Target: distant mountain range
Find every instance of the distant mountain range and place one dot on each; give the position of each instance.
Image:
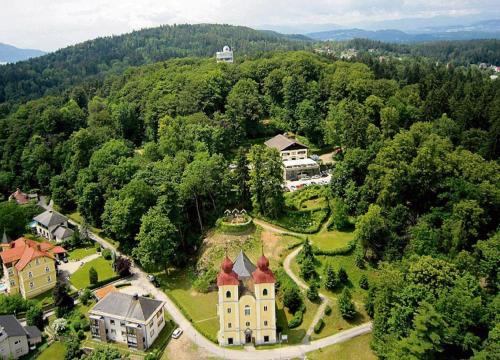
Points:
(10, 54)
(489, 29)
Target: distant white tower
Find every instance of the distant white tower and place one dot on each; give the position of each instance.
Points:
(226, 55)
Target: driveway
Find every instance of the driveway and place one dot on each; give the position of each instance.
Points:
(67, 269)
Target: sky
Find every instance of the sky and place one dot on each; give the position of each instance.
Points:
(52, 24)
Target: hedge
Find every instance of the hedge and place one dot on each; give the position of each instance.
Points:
(319, 326)
(104, 282)
(346, 250)
(296, 320)
(234, 228)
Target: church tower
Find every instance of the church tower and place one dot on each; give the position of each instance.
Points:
(247, 303)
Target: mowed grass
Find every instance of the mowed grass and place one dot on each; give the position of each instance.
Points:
(200, 308)
(81, 253)
(295, 335)
(80, 279)
(329, 240)
(357, 348)
(55, 351)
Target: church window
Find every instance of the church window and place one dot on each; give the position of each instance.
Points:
(228, 294)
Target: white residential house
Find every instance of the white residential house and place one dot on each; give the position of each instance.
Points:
(129, 319)
(15, 340)
(295, 157)
(226, 55)
(52, 226)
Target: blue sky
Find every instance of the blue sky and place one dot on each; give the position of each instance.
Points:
(51, 24)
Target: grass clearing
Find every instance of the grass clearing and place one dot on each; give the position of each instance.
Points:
(55, 351)
(329, 240)
(357, 348)
(81, 253)
(80, 279)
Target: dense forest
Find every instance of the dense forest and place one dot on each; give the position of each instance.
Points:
(463, 52)
(145, 155)
(76, 64)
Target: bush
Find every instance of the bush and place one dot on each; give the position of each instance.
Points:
(97, 247)
(292, 299)
(319, 326)
(34, 316)
(296, 320)
(204, 282)
(85, 296)
(346, 250)
(81, 335)
(106, 253)
(363, 282)
(328, 310)
(93, 276)
(122, 266)
(76, 325)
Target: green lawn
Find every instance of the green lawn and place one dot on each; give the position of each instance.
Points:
(296, 335)
(329, 240)
(44, 298)
(79, 254)
(198, 307)
(357, 348)
(54, 351)
(80, 279)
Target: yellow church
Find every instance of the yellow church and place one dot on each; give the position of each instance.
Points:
(246, 308)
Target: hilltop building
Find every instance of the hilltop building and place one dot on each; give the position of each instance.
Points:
(226, 55)
(246, 305)
(129, 319)
(30, 266)
(294, 155)
(52, 226)
(15, 340)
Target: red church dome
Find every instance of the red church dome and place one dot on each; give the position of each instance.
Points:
(263, 263)
(227, 265)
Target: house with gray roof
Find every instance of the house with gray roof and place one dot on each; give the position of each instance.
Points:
(130, 319)
(52, 225)
(296, 163)
(15, 340)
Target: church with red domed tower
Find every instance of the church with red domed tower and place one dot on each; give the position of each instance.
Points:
(247, 303)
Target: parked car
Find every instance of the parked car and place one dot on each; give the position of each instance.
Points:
(151, 277)
(177, 333)
(306, 178)
(316, 177)
(324, 174)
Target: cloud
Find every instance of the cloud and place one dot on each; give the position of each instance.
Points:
(51, 24)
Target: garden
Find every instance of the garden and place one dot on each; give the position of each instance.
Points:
(80, 279)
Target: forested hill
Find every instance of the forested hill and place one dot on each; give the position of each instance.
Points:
(9, 53)
(72, 65)
(457, 52)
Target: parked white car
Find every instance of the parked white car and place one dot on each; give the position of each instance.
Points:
(177, 333)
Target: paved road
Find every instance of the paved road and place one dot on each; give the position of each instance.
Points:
(287, 352)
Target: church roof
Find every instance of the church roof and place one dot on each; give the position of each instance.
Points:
(243, 266)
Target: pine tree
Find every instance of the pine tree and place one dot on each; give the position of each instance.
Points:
(312, 292)
(307, 270)
(346, 306)
(342, 275)
(363, 282)
(332, 281)
(93, 276)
